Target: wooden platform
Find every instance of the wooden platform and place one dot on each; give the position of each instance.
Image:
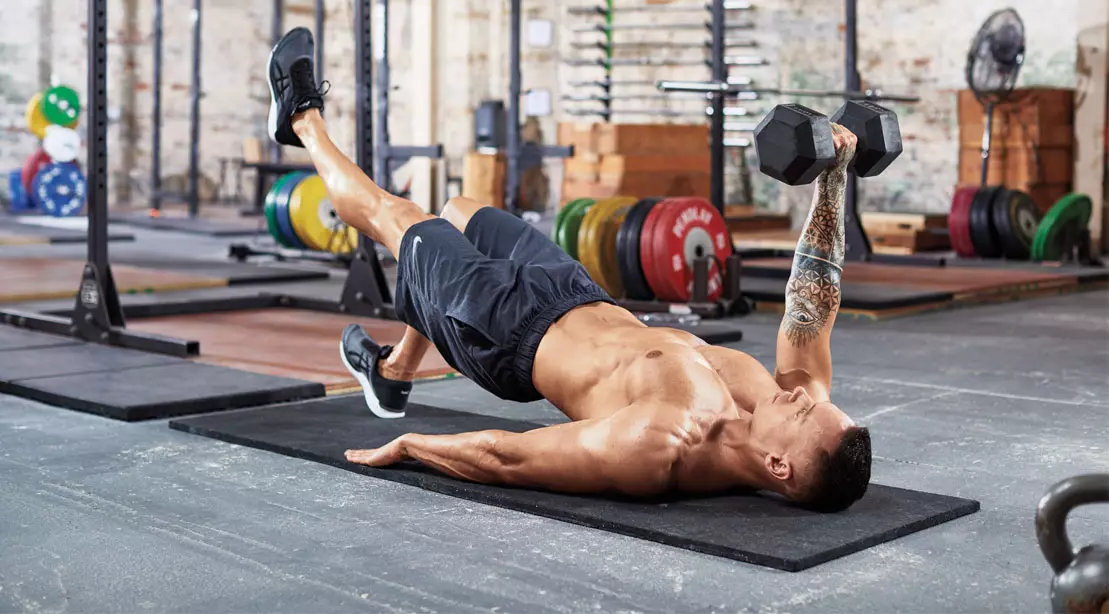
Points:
(961, 285)
(286, 342)
(35, 279)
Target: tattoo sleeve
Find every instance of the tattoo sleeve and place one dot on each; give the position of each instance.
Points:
(812, 294)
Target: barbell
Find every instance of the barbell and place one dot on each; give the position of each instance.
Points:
(732, 89)
(657, 8)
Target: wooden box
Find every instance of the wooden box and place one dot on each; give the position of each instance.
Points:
(1033, 117)
(649, 139)
(1018, 167)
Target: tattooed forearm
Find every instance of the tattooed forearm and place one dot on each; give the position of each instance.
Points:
(812, 295)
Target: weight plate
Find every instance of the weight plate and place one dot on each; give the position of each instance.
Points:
(281, 210)
(571, 226)
(627, 251)
(315, 220)
(270, 209)
(597, 241)
(1072, 211)
(958, 221)
(31, 167)
(1015, 216)
(19, 196)
(59, 189)
(646, 254)
(36, 121)
(560, 219)
(687, 229)
(61, 144)
(61, 105)
(982, 232)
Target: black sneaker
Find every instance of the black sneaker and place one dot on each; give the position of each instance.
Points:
(293, 86)
(386, 398)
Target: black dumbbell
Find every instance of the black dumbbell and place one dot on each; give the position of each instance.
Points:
(794, 143)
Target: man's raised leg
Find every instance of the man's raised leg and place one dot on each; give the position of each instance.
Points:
(295, 120)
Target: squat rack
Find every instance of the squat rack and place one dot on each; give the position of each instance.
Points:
(858, 246)
(98, 315)
(192, 195)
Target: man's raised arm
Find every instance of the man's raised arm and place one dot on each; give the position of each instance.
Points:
(614, 454)
(812, 294)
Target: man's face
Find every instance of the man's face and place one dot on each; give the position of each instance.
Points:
(791, 427)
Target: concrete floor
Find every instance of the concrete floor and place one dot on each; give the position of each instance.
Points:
(991, 403)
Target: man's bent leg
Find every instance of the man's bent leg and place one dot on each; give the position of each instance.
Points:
(358, 201)
(373, 211)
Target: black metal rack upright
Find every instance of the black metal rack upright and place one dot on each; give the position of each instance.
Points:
(98, 315)
(519, 154)
(387, 157)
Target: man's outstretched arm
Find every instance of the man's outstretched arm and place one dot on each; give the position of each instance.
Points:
(590, 456)
(813, 291)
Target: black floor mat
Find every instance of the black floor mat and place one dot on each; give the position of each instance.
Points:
(199, 226)
(852, 296)
(751, 528)
(56, 236)
(131, 385)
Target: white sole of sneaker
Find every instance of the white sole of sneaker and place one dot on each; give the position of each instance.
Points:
(271, 121)
(368, 390)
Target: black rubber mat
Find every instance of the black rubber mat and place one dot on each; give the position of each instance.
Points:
(131, 385)
(236, 273)
(853, 296)
(199, 226)
(752, 528)
(56, 236)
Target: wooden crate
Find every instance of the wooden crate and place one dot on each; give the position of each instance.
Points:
(641, 185)
(879, 222)
(1033, 117)
(1019, 167)
(625, 139)
(483, 178)
(593, 167)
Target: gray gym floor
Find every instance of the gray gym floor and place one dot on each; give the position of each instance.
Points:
(992, 403)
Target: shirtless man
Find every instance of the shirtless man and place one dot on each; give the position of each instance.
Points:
(653, 410)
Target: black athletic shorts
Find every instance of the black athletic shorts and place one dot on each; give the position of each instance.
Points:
(486, 298)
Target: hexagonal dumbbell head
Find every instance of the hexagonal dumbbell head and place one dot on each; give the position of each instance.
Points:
(794, 144)
(878, 133)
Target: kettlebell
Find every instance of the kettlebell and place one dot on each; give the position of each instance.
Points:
(1081, 582)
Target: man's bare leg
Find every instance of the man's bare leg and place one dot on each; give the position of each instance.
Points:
(358, 201)
(375, 212)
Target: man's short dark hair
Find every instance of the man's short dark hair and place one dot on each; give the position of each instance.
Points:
(841, 477)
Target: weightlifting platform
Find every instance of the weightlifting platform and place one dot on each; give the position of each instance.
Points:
(15, 232)
(210, 227)
(37, 279)
(129, 385)
(874, 291)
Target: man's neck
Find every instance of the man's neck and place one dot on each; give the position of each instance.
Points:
(745, 460)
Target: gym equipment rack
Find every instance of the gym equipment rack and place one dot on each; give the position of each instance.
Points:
(99, 317)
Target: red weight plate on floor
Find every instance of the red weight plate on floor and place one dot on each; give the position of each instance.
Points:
(646, 253)
(31, 167)
(689, 228)
(958, 222)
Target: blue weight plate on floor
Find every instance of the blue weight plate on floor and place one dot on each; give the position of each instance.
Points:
(20, 200)
(281, 206)
(59, 189)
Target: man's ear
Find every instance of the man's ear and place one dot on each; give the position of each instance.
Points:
(778, 467)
